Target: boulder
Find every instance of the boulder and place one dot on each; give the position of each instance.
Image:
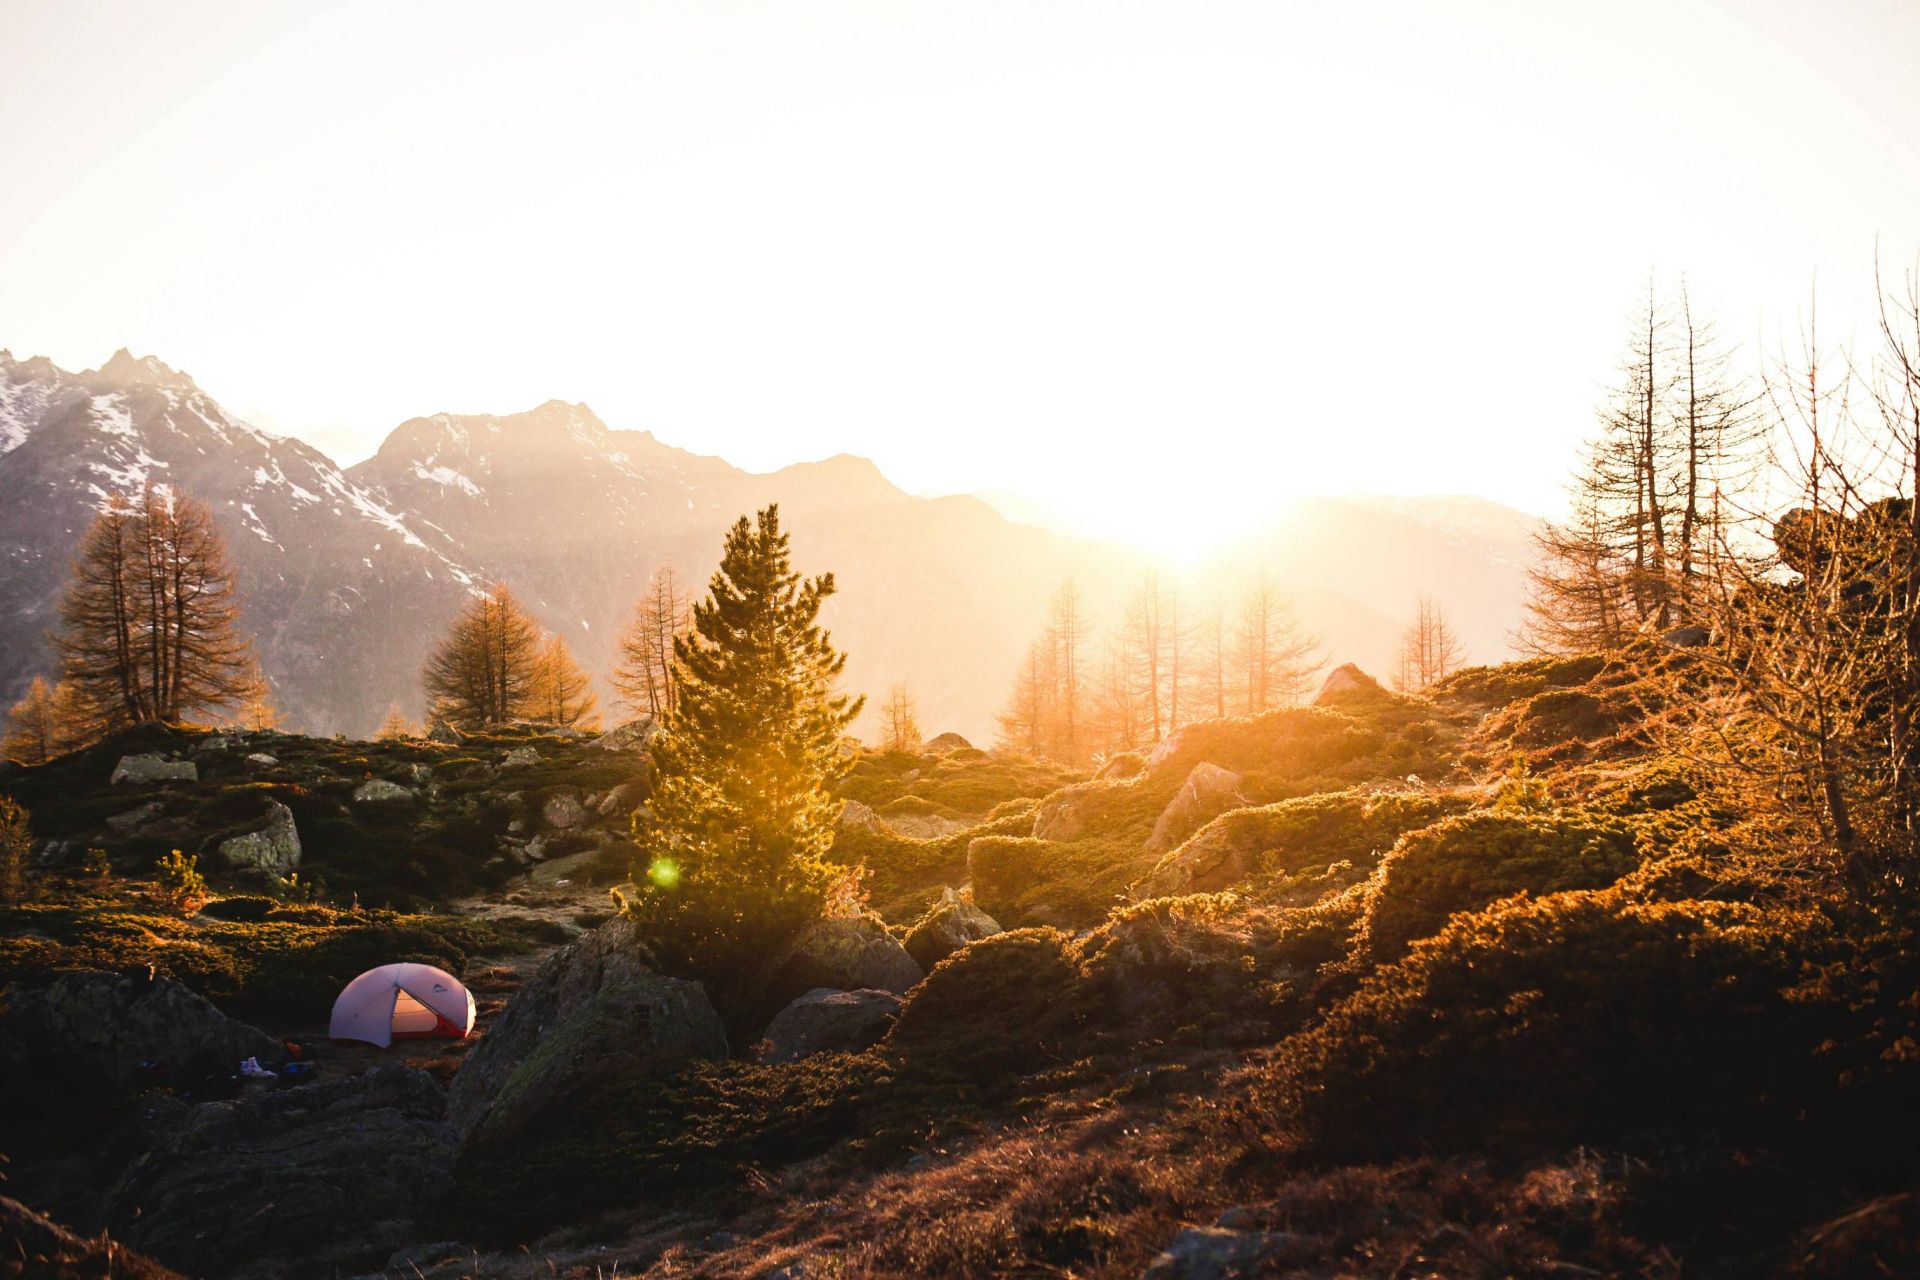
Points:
(1215, 1253)
(262, 758)
(323, 1179)
(828, 1021)
(273, 850)
(856, 816)
(563, 811)
(1128, 764)
(1346, 683)
(33, 1246)
(150, 767)
(951, 924)
(1218, 856)
(846, 953)
(96, 1029)
(132, 820)
(634, 735)
(925, 826)
(1208, 792)
(620, 801)
(592, 1010)
(1687, 637)
(419, 774)
(1071, 812)
(444, 733)
(380, 791)
(519, 758)
(947, 742)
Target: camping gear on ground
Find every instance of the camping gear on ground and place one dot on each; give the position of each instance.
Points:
(296, 1073)
(252, 1070)
(402, 1001)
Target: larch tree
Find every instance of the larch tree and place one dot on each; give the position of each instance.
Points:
(1429, 649)
(485, 669)
(42, 725)
(562, 692)
(742, 815)
(1274, 658)
(1023, 724)
(394, 726)
(149, 624)
(899, 726)
(643, 668)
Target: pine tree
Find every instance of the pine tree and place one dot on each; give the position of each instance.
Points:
(562, 690)
(42, 725)
(483, 672)
(742, 814)
(149, 622)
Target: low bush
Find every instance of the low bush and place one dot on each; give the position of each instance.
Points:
(1021, 880)
(1011, 1003)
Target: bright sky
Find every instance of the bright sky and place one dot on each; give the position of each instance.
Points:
(1160, 262)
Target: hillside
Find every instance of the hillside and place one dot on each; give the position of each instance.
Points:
(348, 574)
(1472, 985)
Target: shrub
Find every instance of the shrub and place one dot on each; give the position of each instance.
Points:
(1009, 1003)
(94, 863)
(1465, 862)
(1578, 1017)
(1498, 685)
(1346, 826)
(16, 842)
(181, 886)
(1021, 880)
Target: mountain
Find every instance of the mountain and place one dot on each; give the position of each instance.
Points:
(348, 575)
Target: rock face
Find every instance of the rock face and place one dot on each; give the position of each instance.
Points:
(592, 1009)
(1208, 792)
(324, 1178)
(849, 953)
(856, 816)
(32, 1246)
(952, 923)
(828, 1021)
(273, 850)
(152, 768)
(634, 735)
(947, 742)
(99, 1027)
(380, 791)
(564, 812)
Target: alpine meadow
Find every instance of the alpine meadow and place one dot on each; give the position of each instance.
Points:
(814, 641)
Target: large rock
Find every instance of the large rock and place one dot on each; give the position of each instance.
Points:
(321, 1180)
(132, 820)
(1219, 856)
(1208, 792)
(828, 1021)
(1072, 812)
(634, 735)
(152, 768)
(620, 801)
(380, 791)
(846, 953)
(592, 1009)
(952, 923)
(564, 811)
(1347, 683)
(273, 850)
(947, 742)
(34, 1248)
(856, 816)
(520, 758)
(95, 1030)
(925, 826)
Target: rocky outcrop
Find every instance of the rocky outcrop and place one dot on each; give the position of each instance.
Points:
(273, 850)
(323, 1179)
(1071, 812)
(96, 1029)
(634, 735)
(925, 826)
(34, 1248)
(594, 1008)
(951, 924)
(1219, 856)
(563, 811)
(947, 742)
(1208, 792)
(856, 816)
(845, 953)
(520, 758)
(151, 767)
(620, 801)
(1347, 683)
(828, 1021)
(380, 791)
(125, 824)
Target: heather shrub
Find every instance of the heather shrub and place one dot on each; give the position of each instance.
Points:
(1010, 1003)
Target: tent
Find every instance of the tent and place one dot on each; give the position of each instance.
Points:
(402, 1001)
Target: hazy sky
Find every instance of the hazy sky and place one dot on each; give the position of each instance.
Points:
(1157, 262)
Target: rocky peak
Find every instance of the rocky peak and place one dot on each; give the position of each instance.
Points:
(126, 370)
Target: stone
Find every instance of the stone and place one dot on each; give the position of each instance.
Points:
(262, 758)
(380, 791)
(419, 773)
(520, 757)
(1216, 857)
(634, 735)
(1347, 683)
(1208, 791)
(845, 953)
(620, 801)
(828, 1021)
(1070, 812)
(1212, 1253)
(1128, 764)
(151, 767)
(97, 1028)
(947, 742)
(855, 816)
(325, 1179)
(563, 811)
(133, 819)
(593, 1010)
(925, 826)
(444, 733)
(273, 850)
(1687, 637)
(949, 925)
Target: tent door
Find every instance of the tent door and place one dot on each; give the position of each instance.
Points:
(410, 1017)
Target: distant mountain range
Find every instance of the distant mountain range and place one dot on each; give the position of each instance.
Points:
(349, 574)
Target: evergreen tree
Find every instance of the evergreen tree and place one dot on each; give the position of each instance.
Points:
(485, 669)
(394, 726)
(42, 725)
(742, 813)
(562, 690)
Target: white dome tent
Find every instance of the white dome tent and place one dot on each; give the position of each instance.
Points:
(402, 1001)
